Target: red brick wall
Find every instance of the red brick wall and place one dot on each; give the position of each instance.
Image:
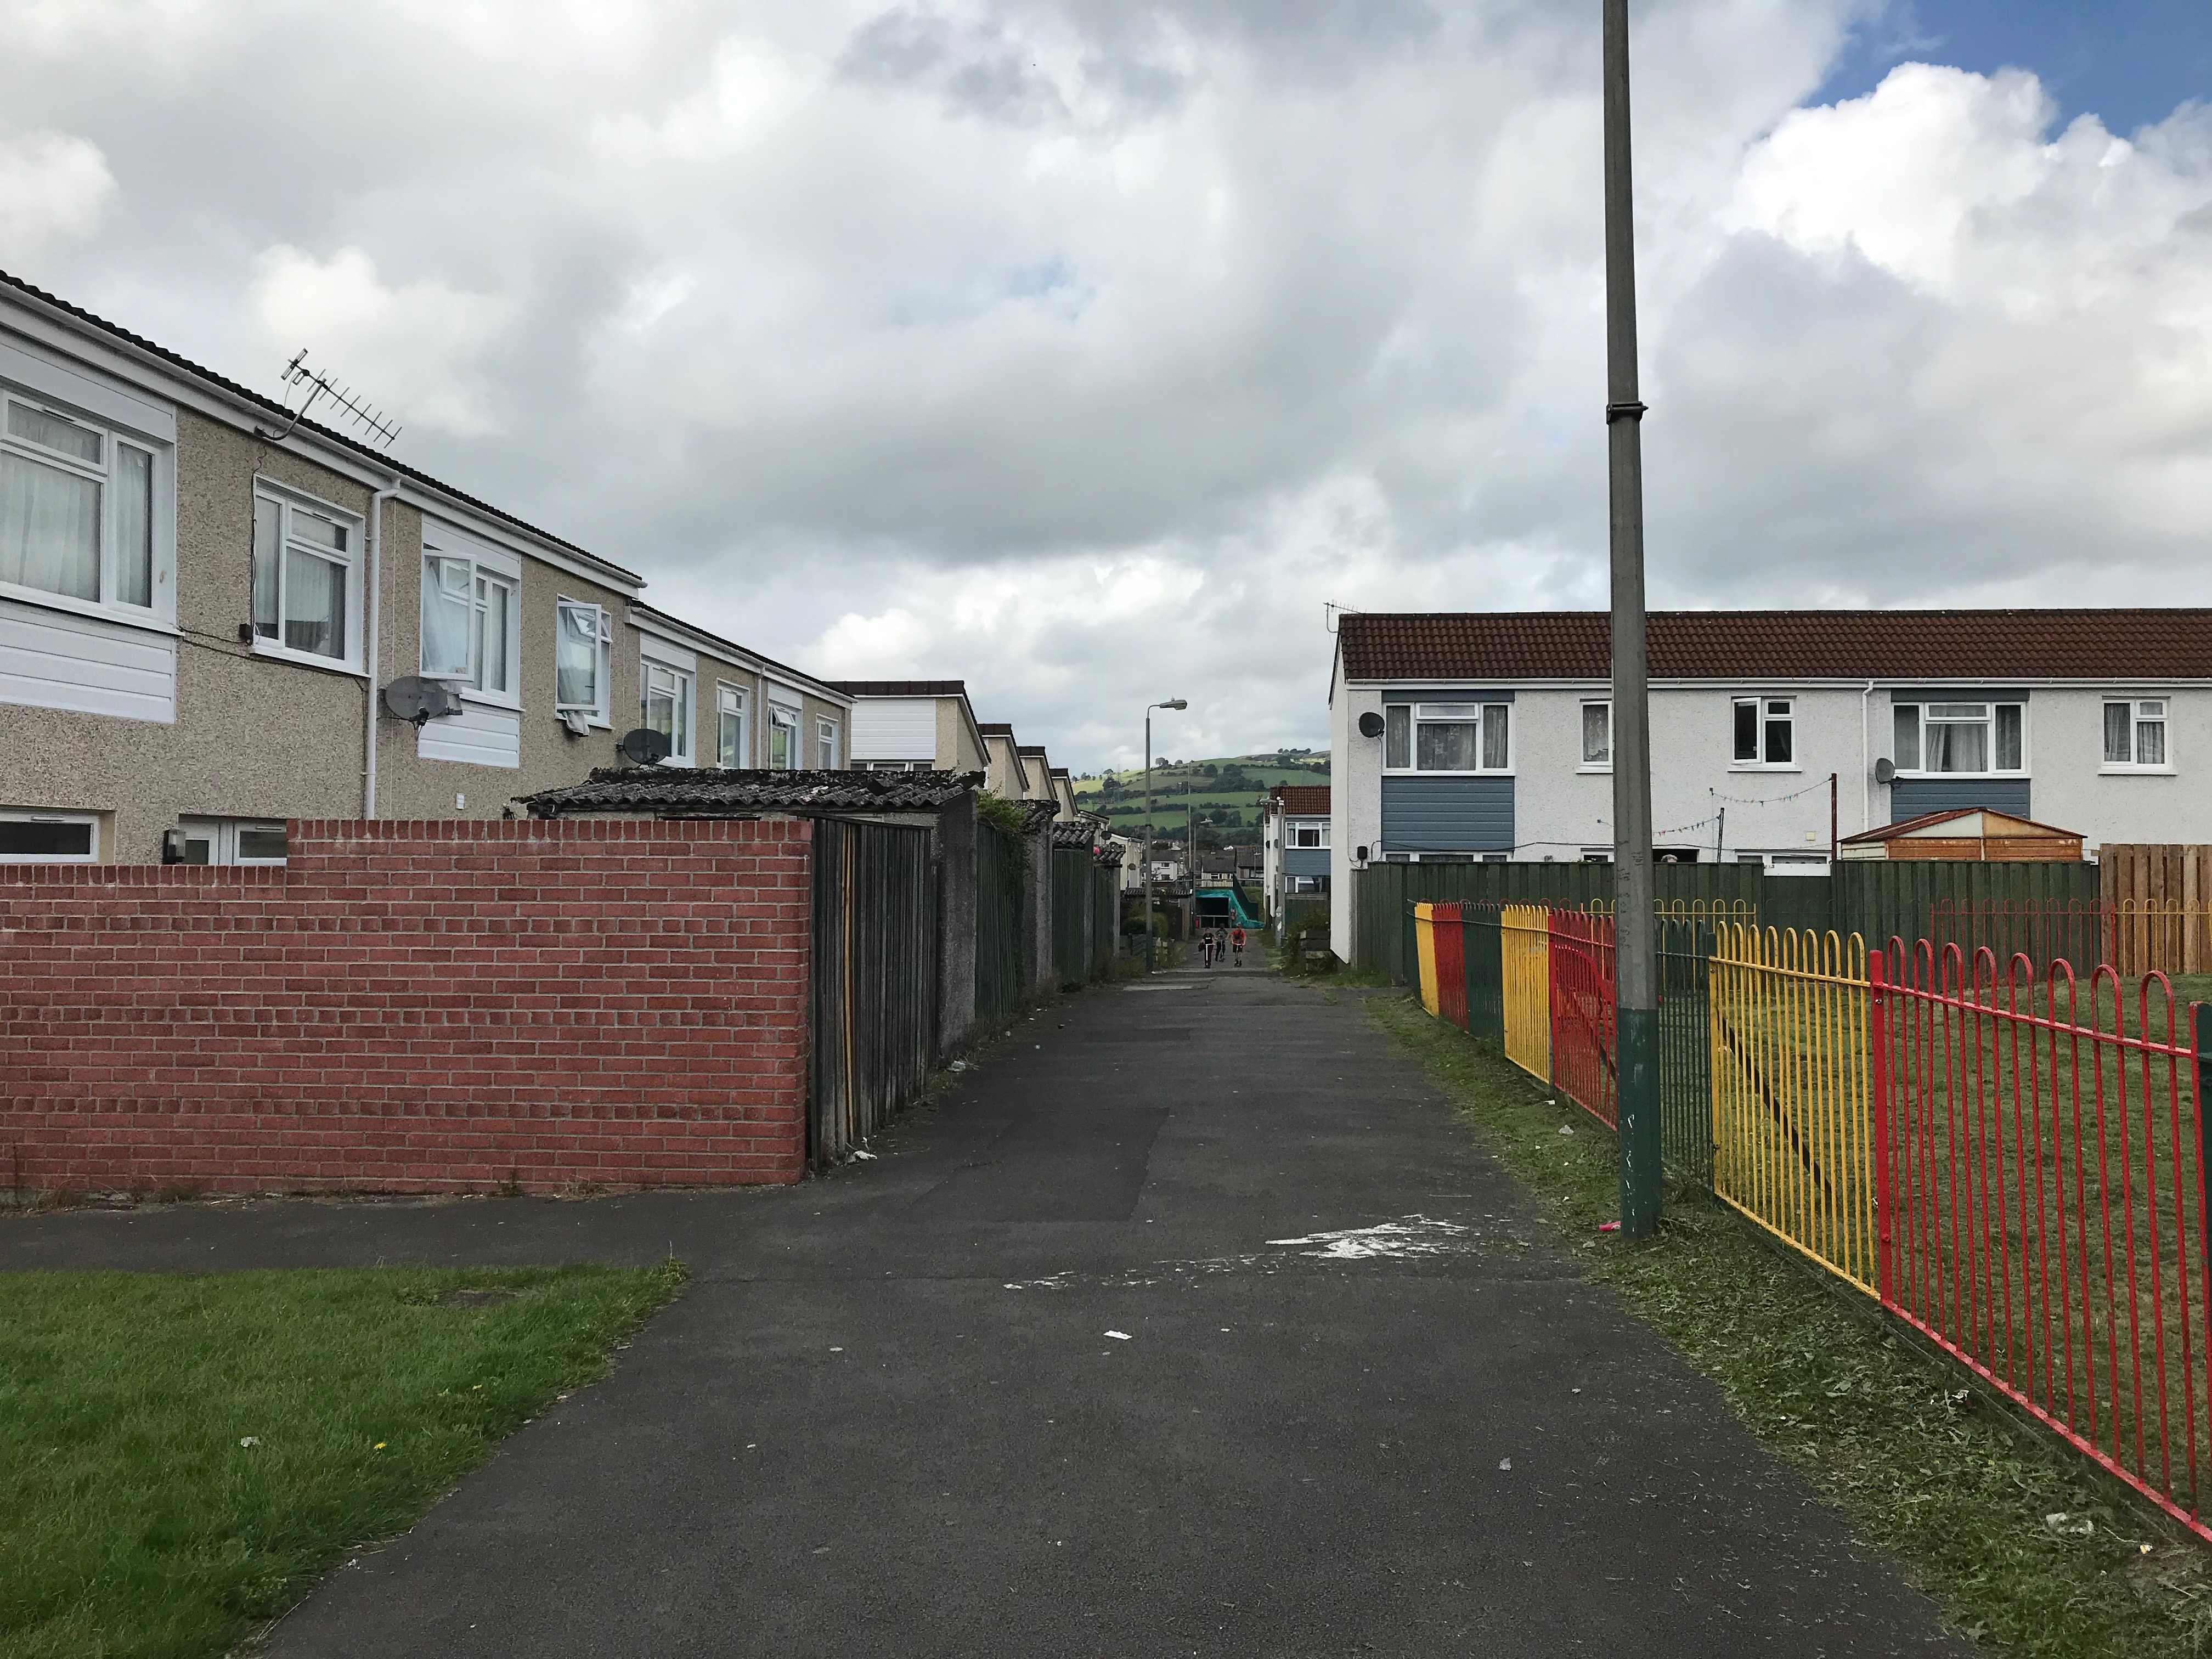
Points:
(405, 1006)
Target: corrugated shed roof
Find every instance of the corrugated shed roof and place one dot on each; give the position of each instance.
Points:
(1993, 646)
(709, 792)
(901, 687)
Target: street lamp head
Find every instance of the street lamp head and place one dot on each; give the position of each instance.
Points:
(1174, 702)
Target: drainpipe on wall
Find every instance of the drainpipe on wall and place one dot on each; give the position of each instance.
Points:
(1866, 762)
(374, 576)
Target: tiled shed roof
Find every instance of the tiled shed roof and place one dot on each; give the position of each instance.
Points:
(1302, 800)
(709, 792)
(1745, 645)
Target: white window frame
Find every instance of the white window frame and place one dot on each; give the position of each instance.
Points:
(725, 694)
(1764, 703)
(597, 712)
(1449, 712)
(1318, 832)
(288, 503)
(483, 565)
(786, 720)
(2135, 703)
(40, 815)
(1990, 705)
(1584, 763)
(221, 836)
(161, 608)
(684, 689)
(826, 743)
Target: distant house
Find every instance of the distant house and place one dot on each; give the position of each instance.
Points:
(1294, 835)
(1005, 774)
(1047, 781)
(909, 725)
(1489, 735)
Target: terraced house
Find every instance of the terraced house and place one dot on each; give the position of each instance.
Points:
(203, 600)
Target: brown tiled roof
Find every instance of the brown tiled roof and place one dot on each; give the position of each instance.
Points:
(1302, 800)
(708, 793)
(1746, 645)
(901, 687)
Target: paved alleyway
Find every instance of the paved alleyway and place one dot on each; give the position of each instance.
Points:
(1075, 1369)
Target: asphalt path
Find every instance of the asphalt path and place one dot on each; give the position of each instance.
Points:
(1193, 1323)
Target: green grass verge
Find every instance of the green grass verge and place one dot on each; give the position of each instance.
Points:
(1925, 1468)
(183, 1454)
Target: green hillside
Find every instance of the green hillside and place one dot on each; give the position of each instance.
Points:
(1227, 791)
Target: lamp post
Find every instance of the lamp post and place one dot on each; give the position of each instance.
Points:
(1636, 978)
(1172, 703)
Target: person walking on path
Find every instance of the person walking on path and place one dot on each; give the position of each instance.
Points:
(1236, 938)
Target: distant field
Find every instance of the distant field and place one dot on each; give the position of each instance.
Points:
(1227, 791)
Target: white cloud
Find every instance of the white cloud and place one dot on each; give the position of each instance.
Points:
(1082, 351)
(51, 185)
(413, 349)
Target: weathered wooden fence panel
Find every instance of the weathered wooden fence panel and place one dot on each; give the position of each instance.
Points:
(1000, 860)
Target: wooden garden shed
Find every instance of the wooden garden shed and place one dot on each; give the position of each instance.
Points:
(1979, 834)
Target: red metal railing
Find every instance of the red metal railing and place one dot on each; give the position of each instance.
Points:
(1451, 965)
(2040, 1189)
(1583, 1010)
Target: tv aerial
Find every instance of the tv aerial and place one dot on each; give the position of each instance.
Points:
(376, 429)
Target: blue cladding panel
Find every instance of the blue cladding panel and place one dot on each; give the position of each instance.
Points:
(1463, 693)
(1448, 815)
(1305, 861)
(1910, 797)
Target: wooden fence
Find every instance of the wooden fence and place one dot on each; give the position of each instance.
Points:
(2158, 897)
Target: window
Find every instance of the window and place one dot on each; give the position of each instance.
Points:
(1970, 737)
(825, 744)
(1309, 835)
(583, 661)
(730, 750)
(782, 739)
(471, 621)
(1597, 734)
(2134, 734)
(1766, 733)
(1447, 737)
(229, 841)
(306, 574)
(81, 512)
(31, 836)
(665, 700)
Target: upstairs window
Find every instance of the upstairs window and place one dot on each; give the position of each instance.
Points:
(1975, 739)
(306, 573)
(471, 623)
(2135, 733)
(665, 700)
(82, 511)
(1309, 835)
(825, 744)
(782, 739)
(1597, 734)
(583, 661)
(1448, 737)
(729, 747)
(1765, 732)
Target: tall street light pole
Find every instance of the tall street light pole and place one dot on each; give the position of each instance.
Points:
(1172, 703)
(1635, 979)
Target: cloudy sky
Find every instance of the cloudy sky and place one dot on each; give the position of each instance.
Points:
(1084, 349)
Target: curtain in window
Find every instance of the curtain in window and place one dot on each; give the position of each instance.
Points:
(495, 603)
(315, 604)
(1448, 746)
(49, 528)
(576, 659)
(1958, 746)
(1494, 745)
(268, 549)
(1398, 736)
(2117, 727)
(448, 613)
(2150, 736)
(134, 525)
(1597, 734)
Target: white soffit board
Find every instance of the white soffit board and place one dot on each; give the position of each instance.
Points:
(478, 736)
(894, 729)
(58, 660)
(662, 651)
(439, 536)
(99, 398)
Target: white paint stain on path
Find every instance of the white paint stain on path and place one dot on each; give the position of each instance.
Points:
(1406, 1237)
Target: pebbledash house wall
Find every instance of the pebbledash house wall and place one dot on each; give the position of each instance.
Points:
(414, 1006)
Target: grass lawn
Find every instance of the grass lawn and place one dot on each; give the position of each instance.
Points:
(183, 1454)
(2023, 1548)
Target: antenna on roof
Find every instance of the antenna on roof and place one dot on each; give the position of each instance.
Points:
(374, 428)
(1328, 613)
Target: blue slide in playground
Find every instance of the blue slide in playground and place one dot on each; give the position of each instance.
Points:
(1226, 906)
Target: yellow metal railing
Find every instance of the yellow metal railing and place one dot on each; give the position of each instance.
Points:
(1524, 942)
(1741, 912)
(1424, 942)
(1793, 1143)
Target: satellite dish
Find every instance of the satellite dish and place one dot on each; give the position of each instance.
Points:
(416, 700)
(1370, 725)
(644, 746)
(1885, 769)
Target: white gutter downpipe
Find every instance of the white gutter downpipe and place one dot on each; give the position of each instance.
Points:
(374, 574)
(1866, 762)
